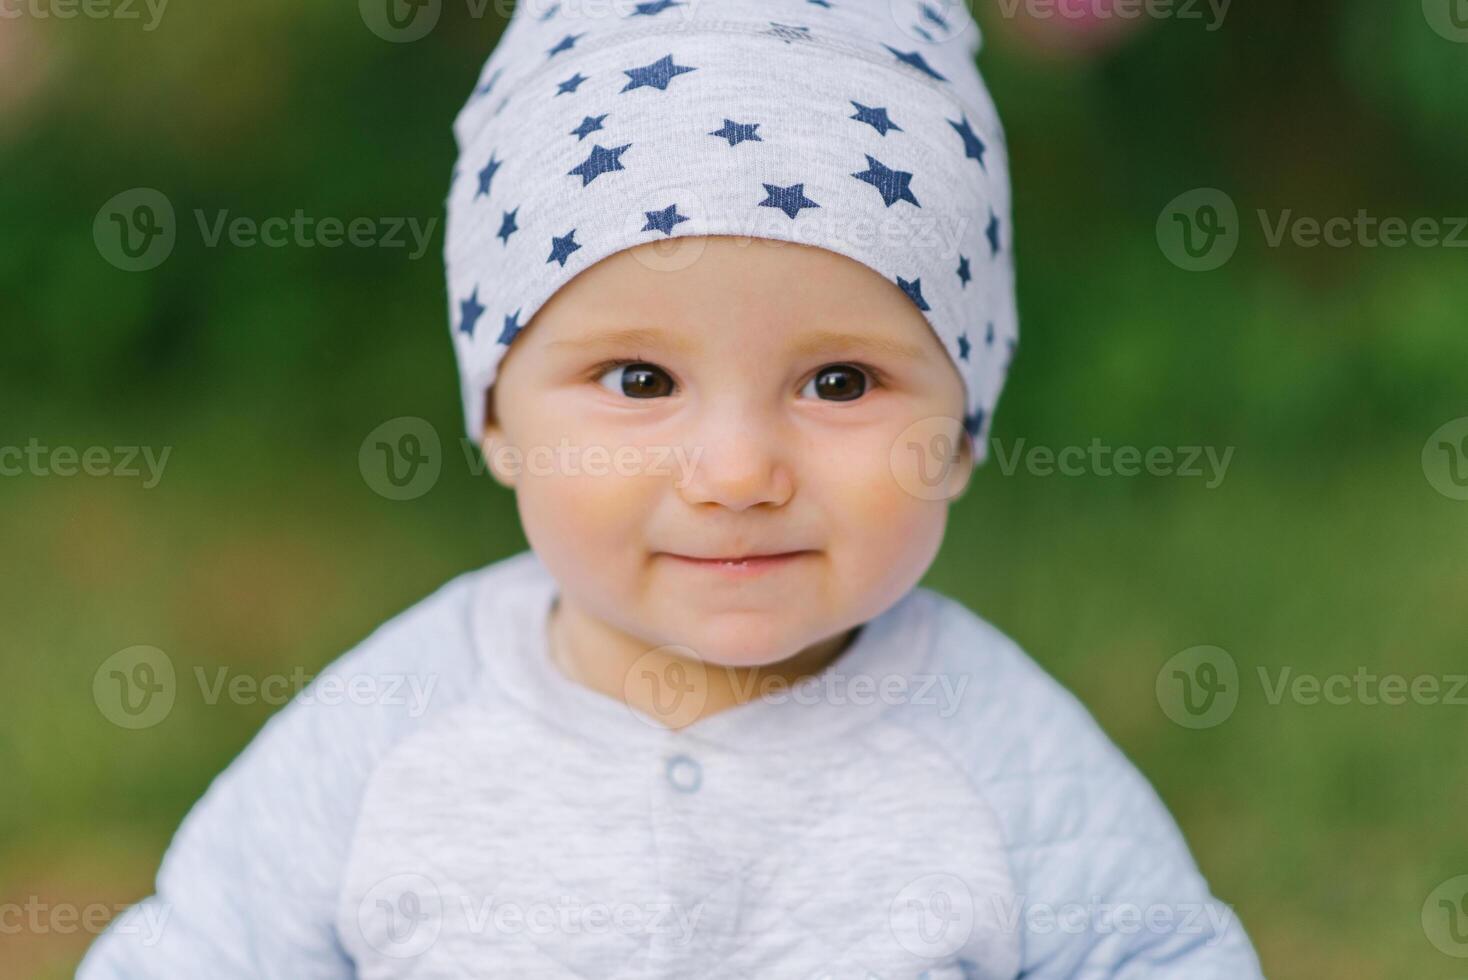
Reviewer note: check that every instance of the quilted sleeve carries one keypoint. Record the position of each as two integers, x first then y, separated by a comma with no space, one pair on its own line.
1115,894
1106,886
247,888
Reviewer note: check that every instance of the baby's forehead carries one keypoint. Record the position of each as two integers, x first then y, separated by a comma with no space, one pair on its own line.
698,287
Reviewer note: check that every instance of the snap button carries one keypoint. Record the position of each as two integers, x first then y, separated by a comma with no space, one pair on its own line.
684,773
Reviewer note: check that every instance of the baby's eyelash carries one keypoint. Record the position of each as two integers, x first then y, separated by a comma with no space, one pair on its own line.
616,362
877,377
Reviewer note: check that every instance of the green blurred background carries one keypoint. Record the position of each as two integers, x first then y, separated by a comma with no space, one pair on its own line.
1328,547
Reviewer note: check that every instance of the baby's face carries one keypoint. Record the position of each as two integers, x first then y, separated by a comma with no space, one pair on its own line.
743,402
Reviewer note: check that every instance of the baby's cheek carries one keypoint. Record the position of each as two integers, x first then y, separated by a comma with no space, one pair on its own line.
884,534
581,513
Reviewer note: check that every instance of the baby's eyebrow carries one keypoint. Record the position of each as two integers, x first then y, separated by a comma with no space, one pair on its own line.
807,344
627,337
823,341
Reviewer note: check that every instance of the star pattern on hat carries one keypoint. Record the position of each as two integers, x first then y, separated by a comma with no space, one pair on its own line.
508,226
654,8
874,117
788,199
893,184
789,32
737,133
588,125
963,273
601,161
563,247
973,147
663,220
486,175
509,329
963,346
992,232
972,423
564,44
931,14
469,313
551,12
914,59
571,84
914,291
656,75
483,90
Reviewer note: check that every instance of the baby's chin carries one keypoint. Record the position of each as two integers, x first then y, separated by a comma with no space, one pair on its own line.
746,640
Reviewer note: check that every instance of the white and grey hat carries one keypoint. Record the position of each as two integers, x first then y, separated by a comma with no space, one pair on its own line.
859,126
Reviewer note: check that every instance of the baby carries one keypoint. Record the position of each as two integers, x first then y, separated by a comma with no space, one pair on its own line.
754,257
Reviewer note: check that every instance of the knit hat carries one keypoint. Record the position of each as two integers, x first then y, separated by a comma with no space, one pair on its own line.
858,126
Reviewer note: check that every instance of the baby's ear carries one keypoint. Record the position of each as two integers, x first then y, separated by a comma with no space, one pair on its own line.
963,468
492,444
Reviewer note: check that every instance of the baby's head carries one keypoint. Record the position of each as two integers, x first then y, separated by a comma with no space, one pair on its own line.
727,287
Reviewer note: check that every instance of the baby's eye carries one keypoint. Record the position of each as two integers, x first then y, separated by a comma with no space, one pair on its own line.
637,379
837,382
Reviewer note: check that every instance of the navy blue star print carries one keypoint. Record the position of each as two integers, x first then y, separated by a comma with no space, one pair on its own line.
973,423
570,84
564,44
588,125
602,160
510,328
922,32
931,13
820,3
789,32
892,183
874,117
654,8
469,313
663,220
737,133
963,345
508,226
972,146
989,336
788,199
657,74
915,59
963,276
486,175
485,88
550,13
992,232
914,291
562,247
